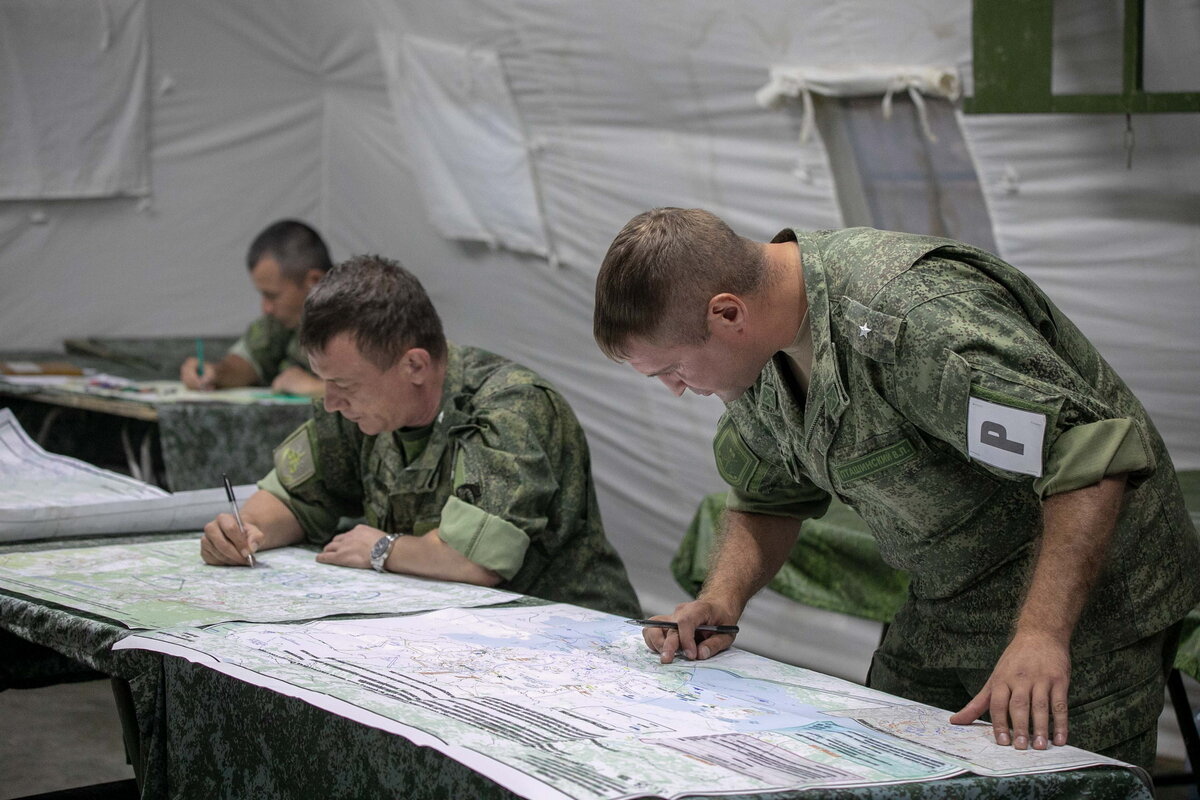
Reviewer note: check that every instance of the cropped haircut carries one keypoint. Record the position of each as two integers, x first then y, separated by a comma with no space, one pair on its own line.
297,247
659,274
380,304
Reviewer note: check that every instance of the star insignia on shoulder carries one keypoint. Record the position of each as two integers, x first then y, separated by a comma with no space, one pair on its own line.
863,330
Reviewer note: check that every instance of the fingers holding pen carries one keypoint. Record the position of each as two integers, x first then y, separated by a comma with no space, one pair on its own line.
695,631
661,640
225,542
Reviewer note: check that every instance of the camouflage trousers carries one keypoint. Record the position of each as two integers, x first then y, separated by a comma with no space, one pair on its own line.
1115,698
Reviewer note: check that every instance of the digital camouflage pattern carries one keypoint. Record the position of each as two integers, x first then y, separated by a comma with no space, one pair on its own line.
270,347
906,330
200,441
506,458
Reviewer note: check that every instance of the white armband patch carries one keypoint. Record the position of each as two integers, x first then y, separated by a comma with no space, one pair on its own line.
1005,437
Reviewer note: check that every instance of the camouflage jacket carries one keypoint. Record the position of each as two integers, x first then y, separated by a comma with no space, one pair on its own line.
505,477
270,348
948,396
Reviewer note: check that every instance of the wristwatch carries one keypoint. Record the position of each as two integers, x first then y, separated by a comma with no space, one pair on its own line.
381,550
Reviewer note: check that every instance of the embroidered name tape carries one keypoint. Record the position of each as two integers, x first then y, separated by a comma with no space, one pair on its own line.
1005,437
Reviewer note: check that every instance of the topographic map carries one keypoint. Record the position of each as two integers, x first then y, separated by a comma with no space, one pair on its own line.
166,584
32,478
558,701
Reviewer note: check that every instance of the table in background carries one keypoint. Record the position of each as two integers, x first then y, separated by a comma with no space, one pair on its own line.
177,445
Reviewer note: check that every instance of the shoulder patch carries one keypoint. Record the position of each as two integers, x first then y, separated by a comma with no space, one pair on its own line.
1006,436
294,461
736,462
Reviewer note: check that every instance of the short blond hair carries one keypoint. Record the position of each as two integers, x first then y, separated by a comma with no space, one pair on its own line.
659,274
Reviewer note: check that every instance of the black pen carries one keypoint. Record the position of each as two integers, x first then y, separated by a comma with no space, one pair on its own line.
662,623
237,516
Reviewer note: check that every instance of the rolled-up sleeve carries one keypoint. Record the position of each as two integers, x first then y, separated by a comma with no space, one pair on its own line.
265,346
1084,454
486,539
505,480
1089,432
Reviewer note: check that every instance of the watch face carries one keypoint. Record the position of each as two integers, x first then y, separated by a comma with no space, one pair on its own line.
380,547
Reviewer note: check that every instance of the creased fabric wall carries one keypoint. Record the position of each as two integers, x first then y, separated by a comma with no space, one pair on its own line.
240,115
626,106
73,99
281,108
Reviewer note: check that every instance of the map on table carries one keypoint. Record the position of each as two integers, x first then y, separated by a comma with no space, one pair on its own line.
31,478
562,702
43,495
165,584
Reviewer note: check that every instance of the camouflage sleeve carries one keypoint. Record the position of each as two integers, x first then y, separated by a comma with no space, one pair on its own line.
265,346
316,474
505,481
758,483
293,355
971,369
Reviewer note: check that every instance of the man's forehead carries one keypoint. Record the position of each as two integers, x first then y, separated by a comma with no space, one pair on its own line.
266,269
340,359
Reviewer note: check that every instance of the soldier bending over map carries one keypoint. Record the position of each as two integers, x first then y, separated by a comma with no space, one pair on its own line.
992,452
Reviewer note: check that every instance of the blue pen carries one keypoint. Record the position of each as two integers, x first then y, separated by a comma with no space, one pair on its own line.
199,357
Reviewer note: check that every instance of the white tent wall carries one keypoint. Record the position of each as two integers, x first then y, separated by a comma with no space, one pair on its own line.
284,108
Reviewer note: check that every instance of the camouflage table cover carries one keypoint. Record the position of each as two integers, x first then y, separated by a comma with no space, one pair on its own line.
199,441
195,732
43,644
274,746
196,442
836,566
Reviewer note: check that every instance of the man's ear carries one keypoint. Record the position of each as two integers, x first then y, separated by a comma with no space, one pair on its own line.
311,279
726,311
418,362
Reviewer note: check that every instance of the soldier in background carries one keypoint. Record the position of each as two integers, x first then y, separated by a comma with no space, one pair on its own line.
467,466
285,261
991,451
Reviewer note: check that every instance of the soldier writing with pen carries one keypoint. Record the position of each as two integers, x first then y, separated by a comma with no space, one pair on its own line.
466,466
992,452
285,261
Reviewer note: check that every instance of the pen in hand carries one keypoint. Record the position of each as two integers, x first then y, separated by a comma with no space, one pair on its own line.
237,516
200,364
662,623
